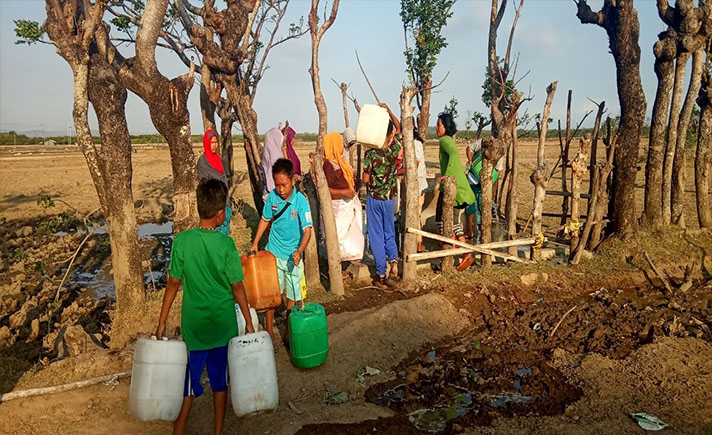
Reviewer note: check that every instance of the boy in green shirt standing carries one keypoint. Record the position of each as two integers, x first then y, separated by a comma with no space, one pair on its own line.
208,264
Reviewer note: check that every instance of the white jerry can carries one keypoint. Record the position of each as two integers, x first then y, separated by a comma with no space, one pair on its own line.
253,374
372,126
241,320
157,379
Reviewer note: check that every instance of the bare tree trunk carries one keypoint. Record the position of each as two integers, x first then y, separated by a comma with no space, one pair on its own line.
412,203
678,85
665,51
226,148
620,20
424,115
703,156
594,143
604,190
449,193
565,161
207,105
679,166
579,167
110,168
492,150
248,121
311,255
540,177
327,211
343,88
512,194
108,97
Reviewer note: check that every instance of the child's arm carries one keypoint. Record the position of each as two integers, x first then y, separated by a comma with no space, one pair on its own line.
238,292
168,297
261,228
297,256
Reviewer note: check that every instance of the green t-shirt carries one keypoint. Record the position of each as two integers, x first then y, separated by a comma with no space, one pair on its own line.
207,262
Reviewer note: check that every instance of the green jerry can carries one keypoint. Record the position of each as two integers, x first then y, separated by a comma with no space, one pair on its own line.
309,338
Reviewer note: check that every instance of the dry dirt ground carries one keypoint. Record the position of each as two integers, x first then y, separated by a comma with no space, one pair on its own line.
474,352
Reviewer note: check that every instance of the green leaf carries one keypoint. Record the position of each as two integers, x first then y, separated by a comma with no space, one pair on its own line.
28,32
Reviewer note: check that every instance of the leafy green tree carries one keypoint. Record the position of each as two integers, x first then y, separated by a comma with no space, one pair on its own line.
451,107
423,21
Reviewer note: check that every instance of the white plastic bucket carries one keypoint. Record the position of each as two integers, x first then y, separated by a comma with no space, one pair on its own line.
157,379
253,374
372,126
241,320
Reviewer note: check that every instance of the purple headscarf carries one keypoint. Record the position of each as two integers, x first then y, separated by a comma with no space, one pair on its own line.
270,153
290,133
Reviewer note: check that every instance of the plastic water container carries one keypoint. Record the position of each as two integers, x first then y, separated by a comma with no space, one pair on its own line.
372,126
309,338
241,320
157,379
261,280
253,374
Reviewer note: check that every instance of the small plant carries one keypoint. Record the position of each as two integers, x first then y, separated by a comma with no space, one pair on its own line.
20,254
45,201
40,266
56,223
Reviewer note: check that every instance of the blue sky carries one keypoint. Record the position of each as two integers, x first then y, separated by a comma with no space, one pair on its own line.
36,84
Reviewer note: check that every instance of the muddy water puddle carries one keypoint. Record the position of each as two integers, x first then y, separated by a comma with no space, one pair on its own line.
470,384
95,274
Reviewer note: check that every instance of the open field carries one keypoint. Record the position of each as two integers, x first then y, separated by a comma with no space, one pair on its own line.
481,352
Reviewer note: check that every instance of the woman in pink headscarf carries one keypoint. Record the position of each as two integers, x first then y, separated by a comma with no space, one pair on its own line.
288,149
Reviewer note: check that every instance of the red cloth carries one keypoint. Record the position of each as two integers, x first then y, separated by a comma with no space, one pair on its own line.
213,158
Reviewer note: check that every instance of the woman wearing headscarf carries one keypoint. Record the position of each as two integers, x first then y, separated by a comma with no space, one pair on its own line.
288,149
270,153
450,166
210,167
347,207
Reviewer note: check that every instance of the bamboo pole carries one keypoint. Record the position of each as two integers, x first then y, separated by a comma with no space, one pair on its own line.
462,251
467,245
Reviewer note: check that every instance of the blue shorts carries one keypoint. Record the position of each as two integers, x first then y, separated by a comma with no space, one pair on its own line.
216,360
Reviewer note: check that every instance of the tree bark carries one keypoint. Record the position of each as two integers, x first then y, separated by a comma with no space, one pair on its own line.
703,155
594,144
670,146
311,255
620,20
424,115
412,205
327,212
110,167
512,193
679,166
579,167
492,150
565,160
449,193
665,51
540,177
343,88
207,104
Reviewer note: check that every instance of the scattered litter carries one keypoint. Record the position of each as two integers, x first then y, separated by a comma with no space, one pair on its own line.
294,408
540,300
537,326
337,398
367,371
648,421
112,383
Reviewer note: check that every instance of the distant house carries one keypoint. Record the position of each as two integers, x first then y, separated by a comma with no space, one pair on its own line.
50,143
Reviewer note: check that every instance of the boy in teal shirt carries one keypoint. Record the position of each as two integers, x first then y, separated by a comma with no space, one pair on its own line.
288,212
208,264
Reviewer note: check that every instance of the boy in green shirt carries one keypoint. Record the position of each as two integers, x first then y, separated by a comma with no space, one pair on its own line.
208,264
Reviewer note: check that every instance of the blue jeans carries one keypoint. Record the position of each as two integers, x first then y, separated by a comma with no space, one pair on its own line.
381,232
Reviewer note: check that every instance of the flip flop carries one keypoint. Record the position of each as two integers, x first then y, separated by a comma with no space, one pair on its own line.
466,263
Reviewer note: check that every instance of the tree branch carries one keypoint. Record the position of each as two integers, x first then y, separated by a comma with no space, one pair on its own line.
587,16
517,13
